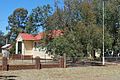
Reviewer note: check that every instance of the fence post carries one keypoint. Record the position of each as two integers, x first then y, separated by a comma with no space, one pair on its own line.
4,63
61,62
37,62
65,60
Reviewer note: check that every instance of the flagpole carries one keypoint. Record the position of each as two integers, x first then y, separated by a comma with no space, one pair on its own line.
103,58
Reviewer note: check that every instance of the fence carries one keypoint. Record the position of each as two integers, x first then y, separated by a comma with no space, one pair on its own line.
78,61
18,62
37,64
19,57
112,59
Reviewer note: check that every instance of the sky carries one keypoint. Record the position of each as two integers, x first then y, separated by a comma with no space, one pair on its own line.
8,6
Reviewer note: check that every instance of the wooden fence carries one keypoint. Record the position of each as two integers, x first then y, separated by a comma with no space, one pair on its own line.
19,57
37,65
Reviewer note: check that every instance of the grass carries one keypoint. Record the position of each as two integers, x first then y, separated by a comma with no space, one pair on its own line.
75,73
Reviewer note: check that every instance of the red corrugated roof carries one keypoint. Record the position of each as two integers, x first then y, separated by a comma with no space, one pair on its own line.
26,36
53,33
39,36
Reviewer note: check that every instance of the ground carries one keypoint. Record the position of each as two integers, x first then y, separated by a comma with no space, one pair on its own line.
74,73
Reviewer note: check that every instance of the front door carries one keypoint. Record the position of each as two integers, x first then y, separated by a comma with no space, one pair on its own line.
19,47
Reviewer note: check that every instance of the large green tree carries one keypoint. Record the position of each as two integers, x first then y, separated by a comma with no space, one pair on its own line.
17,22
40,15
112,18
82,29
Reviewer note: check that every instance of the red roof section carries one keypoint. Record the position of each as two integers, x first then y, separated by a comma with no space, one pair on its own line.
26,36
53,33
39,36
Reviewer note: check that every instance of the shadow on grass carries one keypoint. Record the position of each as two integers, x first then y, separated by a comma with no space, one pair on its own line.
4,77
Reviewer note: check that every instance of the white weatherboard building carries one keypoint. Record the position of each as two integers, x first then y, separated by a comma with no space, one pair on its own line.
28,44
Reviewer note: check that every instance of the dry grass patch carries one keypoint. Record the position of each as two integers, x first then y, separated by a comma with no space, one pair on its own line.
76,73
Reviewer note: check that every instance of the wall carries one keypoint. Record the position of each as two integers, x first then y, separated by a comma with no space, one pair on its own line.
28,47
39,51
31,50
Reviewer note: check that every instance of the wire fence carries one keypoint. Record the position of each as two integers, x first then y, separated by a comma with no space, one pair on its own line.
74,62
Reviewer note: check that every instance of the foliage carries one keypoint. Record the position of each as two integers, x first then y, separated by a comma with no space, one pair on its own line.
12,50
20,21
82,31
2,38
17,22
40,15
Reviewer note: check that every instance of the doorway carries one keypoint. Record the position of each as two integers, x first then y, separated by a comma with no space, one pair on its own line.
19,47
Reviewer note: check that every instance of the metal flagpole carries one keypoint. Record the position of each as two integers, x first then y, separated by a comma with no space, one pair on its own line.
103,58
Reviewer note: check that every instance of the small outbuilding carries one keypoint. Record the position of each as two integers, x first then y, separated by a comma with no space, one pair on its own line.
28,44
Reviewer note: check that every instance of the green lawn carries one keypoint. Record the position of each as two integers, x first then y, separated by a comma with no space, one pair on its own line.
76,73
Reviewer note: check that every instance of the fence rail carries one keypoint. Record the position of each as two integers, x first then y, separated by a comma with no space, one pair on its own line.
19,57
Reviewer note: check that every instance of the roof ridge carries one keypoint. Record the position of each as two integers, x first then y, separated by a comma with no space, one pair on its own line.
39,36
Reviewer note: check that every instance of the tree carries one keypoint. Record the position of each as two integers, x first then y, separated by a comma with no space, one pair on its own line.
20,21
40,16
17,22
2,40
82,31
31,28
111,18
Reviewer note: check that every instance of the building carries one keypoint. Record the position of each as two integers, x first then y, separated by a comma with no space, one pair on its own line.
28,44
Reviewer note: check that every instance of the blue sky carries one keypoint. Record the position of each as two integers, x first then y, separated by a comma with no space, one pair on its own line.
8,6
